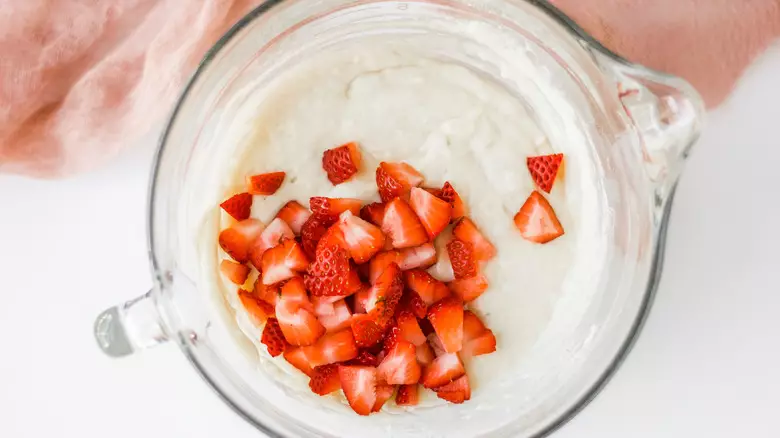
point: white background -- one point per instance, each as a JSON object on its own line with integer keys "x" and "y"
{"x": 707, "y": 364}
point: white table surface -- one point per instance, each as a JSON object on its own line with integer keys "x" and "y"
{"x": 707, "y": 364}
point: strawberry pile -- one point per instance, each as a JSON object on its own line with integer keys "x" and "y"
{"x": 342, "y": 290}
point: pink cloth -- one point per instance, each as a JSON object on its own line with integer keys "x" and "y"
{"x": 80, "y": 79}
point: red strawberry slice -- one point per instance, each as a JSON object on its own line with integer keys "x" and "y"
{"x": 396, "y": 179}
{"x": 412, "y": 302}
{"x": 410, "y": 328}
{"x": 237, "y": 240}
{"x": 265, "y": 184}
{"x": 276, "y": 231}
{"x": 333, "y": 207}
{"x": 400, "y": 366}
{"x": 260, "y": 311}
{"x": 392, "y": 335}
{"x": 446, "y": 316}
{"x": 332, "y": 348}
{"x": 341, "y": 163}
{"x": 456, "y": 392}
{"x": 408, "y": 395}
{"x": 380, "y": 262}
{"x": 361, "y": 238}
{"x": 537, "y": 221}
{"x": 339, "y": 319}
{"x": 333, "y": 236}
{"x": 544, "y": 169}
{"x": 469, "y": 289}
{"x": 359, "y": 385}
{"x": 428, "y": 288}
{"x": 239, "y": 206}
{"x": 383, "y": 394}
{"x": 442, "y": 371}
{"x": 477, "y": 339}
{"x": 283, "y": 262}
{"x": 235, "y": 272}
{"x": 366, "y": 332}
{"x": 434, "y": 213}
{"x": 449, "y": 194}
{"x": 325, "y": 379}
{"x": 268, "y": 294}
{"x": 425, "y": 355}
{"x": 312, "y": 231}
{"x": 436, "y": 345}
{"x": 295, "y": 314}
{"x": 464, "y": 264}
{"x": 297, "y": 358}
{"x": 364, "y": 358}
{"x": 327, "y": 274}
{"x": 373, "y": 213}
{"x": 295, "y": 215}
{"x": 273, "y": 338}
{"x": 388, "y": 290}
{"x": 402, "y": 226}
{"x": 466, "y": 231}
{"x": 423, "y": 256}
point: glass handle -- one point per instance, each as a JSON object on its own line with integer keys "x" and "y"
{"x": 129, "y": 327}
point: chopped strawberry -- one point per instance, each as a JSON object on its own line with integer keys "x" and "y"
{"x": 341, "y": 163}
{"x": 332, "y": 236}
{"x": 366, "y": 332}
{"x": 388, "y": 290}
{"x": 428, "y": 288}
{"x": 273, "y": 338}
{"x": 434, "y": 213}
{"x": 477, "y": 339}
{"x": 283, "y": 262}
{"x": 265, "y": 184}
{"x": 325, "y": 379}
{"x": 456, "y": 391}
{"x": 359, "y": 385}
{"x": 269, "y": 294}
{"x": 333, "y": 207}
{"x": 373, "y": 213}
{"x": 410, "y": 328}
{"x": 449, "y": 194}
{"x": 312, "y": 231}
{"x": 295, "y": 215}
{"x": 361, "y": 238}
{"x": 469, "y": 289}
{"x": 423, "y": 256}
{"x": 362, "y": 298}
{"x": 276, "y": 231}
{"x": 383, "y": 394}
{"x": 297, "y": 358}
{"x": 239, "y": 206}
{"x": 400, "y": 366}
{"x": 464, "y": 264}
{"x": 295, "y": 314}
{"x": 364, "y": 358}
{"x": 237, "y": 240}
{"x": 436, "y": 345}
{"x": 442, "y": 371}
{"x": 392, "y": 335}
{"x": 402, "y": 226}
{"x": 396, "y": 179}
{"x": 425, "y": 355}
{"x": 260, "y": 311}
{"x": 544, "y": 169}
{"x": 408, "y": 395}
{"x": 332, "y": 348}
{"x": 433, "y": 191}
{"x": 412, "y": 302}
{"x": 233, "y": 271}
{"x": 338, "y": 320}
{"x": 380, "y": 262}
{"x": 466, "y": 231}
{"x": 537, "y": 221}
{"x": 326, "y": 276}
{"x": 446, "y": 316}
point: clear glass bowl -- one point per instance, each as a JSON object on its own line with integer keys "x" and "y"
{"x": 634, "y": 125}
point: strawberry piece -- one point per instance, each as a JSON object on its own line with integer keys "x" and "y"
{"x": 361, "y": 238}
{"x": 326, "y": 275}
{"x": 283, "y": 262}
{"x": 238, "y": 206}
{"x": 297, "y": 358}
{"x": 544, "y": 170}
{"x": 312, "y": 231}
{"x": 333, "y": 207}
{"x": 273, "y": 338}
{"x": 380, "y": 262}
{"x": 428, "y": 288}
{"x": 325, "y": 379}
{"x": 295, "y": 215}
{"x": 364, "y": 358}
{"x": 260, "y": 311}
{"x": 362, "y": 298}
{"x": 446, "y": 316}
{"x": 338, "y": 319}
{"x": 477, "y": 339}
{"x": 436, "y": 345}
{"x": 388, "y": 290}
{"x": 402, "y": 226}
{"x": 396, "y": 180}
{"x": 408, "y": 395}
{"x": 295, "y": 314}
{"x": 332, "y": 348}
{"x": 409, "y": 327}
{"x": 265, "y": 184}
{"x": 464, "y": 264}
{"x": 449, "y": 194}
{"x": 233, "y": 271}
{"x": 237, "y": 240}
{"x": 366, "y": 332}
{"x": 456, "y": 391}
{"x": 392, "y": 335}
{"x": 433, "y": 191}
{"x": 383, "y": 394}
{"x": 413, "y": 303}
{"x": 341, "y": 163}
{"x": 400, "y": 366}
{"x": 423, "y": 256}
{"x": 268, "y": 294}
{"x": 442, "y": 371}
{"x": 276, "y": 231}
{"x": 469, "y": 289}
{"x": 425, "y": 355}
{"x": 537, "y": 221}
{"x": 434, "y": 213}
{"x": 359, "y": 385}
{"x": 466, "y": 231}
{"x": 332, "y": 236}
{"x": 373, "y": 213}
